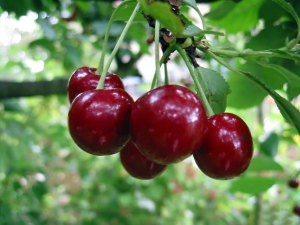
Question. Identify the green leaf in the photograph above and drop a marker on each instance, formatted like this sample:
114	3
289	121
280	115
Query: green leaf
293	81
42	42
252	185
288	111
241	86
220	9
124	11
20	9
168	19
270	18
190	31
270	37
47	28
72	57
191	3
269	146
242	17
262	163
39	189
215	88
290	9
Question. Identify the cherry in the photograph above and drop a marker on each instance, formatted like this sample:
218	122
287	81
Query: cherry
227	149
168	124
85	78
98	120
294	183
296	210
137	165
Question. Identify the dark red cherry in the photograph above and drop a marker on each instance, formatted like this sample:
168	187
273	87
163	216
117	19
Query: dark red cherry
85	78
227	149
98	120
294	183
296	210
168	124
137	165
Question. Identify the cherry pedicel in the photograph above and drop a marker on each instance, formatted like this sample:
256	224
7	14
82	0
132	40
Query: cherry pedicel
227	150
98	120
168	124
85	78
137	165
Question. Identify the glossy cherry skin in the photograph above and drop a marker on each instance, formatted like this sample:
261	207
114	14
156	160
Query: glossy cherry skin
168	124
85	78
98	120
294	183
227	150
138	165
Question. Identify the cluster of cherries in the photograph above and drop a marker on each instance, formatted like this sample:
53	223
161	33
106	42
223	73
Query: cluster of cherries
165	125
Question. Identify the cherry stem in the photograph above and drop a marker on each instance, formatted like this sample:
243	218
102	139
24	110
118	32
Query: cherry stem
201	77
199	89
157	64
166	74
163	59
117	46
105	41
249	54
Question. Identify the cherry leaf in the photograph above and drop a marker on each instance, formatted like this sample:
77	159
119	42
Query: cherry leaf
249	185
263	163
215	88
269	145
238	17
168	18
290	9
293	81
288	111
124	11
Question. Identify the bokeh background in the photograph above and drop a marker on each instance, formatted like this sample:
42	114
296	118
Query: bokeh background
46	179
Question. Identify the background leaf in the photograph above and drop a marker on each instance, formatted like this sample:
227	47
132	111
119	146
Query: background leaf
289	112
269	145
167	19
293	81
262	163
242	17
124	12
252	185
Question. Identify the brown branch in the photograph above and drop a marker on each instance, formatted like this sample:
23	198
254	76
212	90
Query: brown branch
9	89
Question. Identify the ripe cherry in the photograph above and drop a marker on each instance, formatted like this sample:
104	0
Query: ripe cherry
98	120
168	124
296	210
85	78
137	165
227	149
294	183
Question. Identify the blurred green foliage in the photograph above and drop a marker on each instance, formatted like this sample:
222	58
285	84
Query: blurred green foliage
46	179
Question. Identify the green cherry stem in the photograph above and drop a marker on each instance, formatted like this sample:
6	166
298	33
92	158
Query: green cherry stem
202	80
166	74
199	89
117	46
107	32
251	54
157	64
163	59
